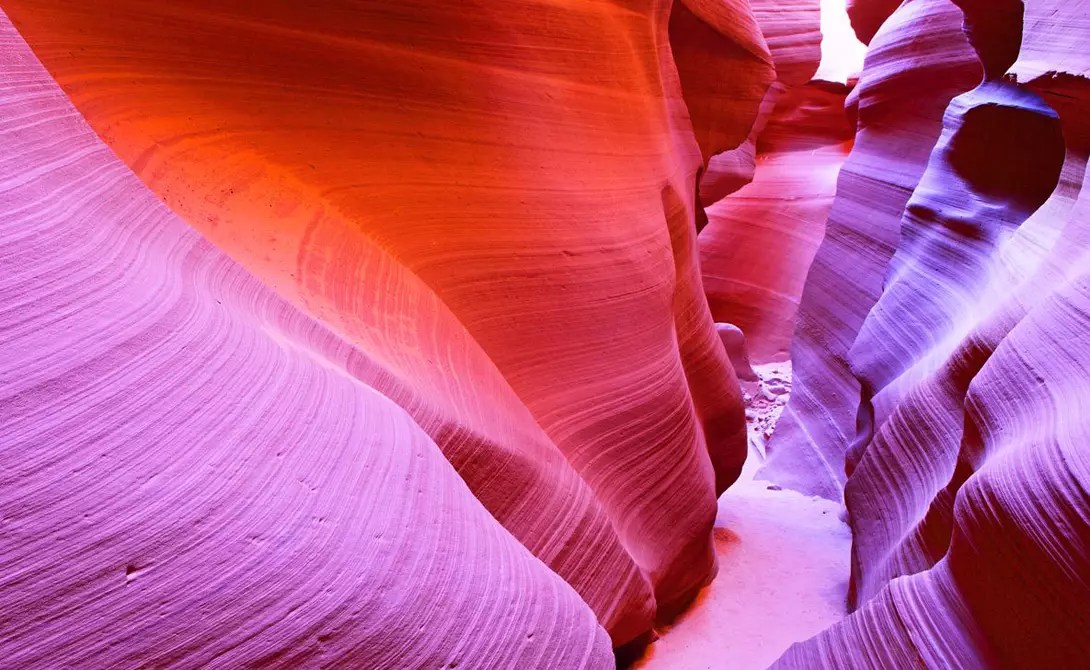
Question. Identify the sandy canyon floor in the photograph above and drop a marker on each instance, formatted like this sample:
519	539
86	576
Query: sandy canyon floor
783	563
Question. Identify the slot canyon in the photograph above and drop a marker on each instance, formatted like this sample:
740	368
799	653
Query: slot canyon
559	334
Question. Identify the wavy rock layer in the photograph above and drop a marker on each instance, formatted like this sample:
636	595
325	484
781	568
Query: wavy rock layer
780	183
191	471
759	242
916	64
793	34
492	210
724	67
969	475
434	382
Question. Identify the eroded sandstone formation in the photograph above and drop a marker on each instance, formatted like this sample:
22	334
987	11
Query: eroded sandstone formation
916	64
793	36
798	155
781	182
490	211
192	473
967	471
371	334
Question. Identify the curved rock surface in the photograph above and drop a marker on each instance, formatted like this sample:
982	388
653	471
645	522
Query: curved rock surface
767	201
192	470
734	342
366	334
917	63
493	208
759	241
868	16
793	35
975	193
969	474
724	67
792	31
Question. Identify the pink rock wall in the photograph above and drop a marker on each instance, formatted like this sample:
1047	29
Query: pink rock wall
437	189
916	64
760	240
967	493
767	200
714	43
193	474
793	35
367	334
868	16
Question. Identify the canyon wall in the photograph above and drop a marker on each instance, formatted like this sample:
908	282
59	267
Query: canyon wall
381	334
793	35
915	65
431	376
191	472
960	419
759	241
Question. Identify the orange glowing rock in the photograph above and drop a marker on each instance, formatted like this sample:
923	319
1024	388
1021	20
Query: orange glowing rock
494	206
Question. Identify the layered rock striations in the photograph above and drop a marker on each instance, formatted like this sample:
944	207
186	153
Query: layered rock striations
487	215
195	474
724	67
759	241
365	334
793	35
774	191
916	64
968	472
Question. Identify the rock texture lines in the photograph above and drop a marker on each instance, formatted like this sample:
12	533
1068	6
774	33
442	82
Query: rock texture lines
797	157
490	390
192	473
960	422
918	62
381	334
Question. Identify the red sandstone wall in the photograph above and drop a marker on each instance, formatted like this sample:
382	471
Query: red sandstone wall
488	208
433	382
193	472
760	240
767	200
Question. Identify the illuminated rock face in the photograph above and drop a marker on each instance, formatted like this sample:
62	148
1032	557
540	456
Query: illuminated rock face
371	334
485	217
767	200
916	64
967	467
759	241
194	472
868	16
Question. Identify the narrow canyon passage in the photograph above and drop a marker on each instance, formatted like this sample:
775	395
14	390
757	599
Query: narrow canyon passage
545	334
783	565
784	557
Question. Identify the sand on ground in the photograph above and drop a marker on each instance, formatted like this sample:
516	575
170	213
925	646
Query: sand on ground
783	563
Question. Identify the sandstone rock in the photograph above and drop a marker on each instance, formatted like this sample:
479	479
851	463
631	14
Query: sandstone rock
799	153
734	341
967	494
439	186
192	474
917	63
793	35
419	363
